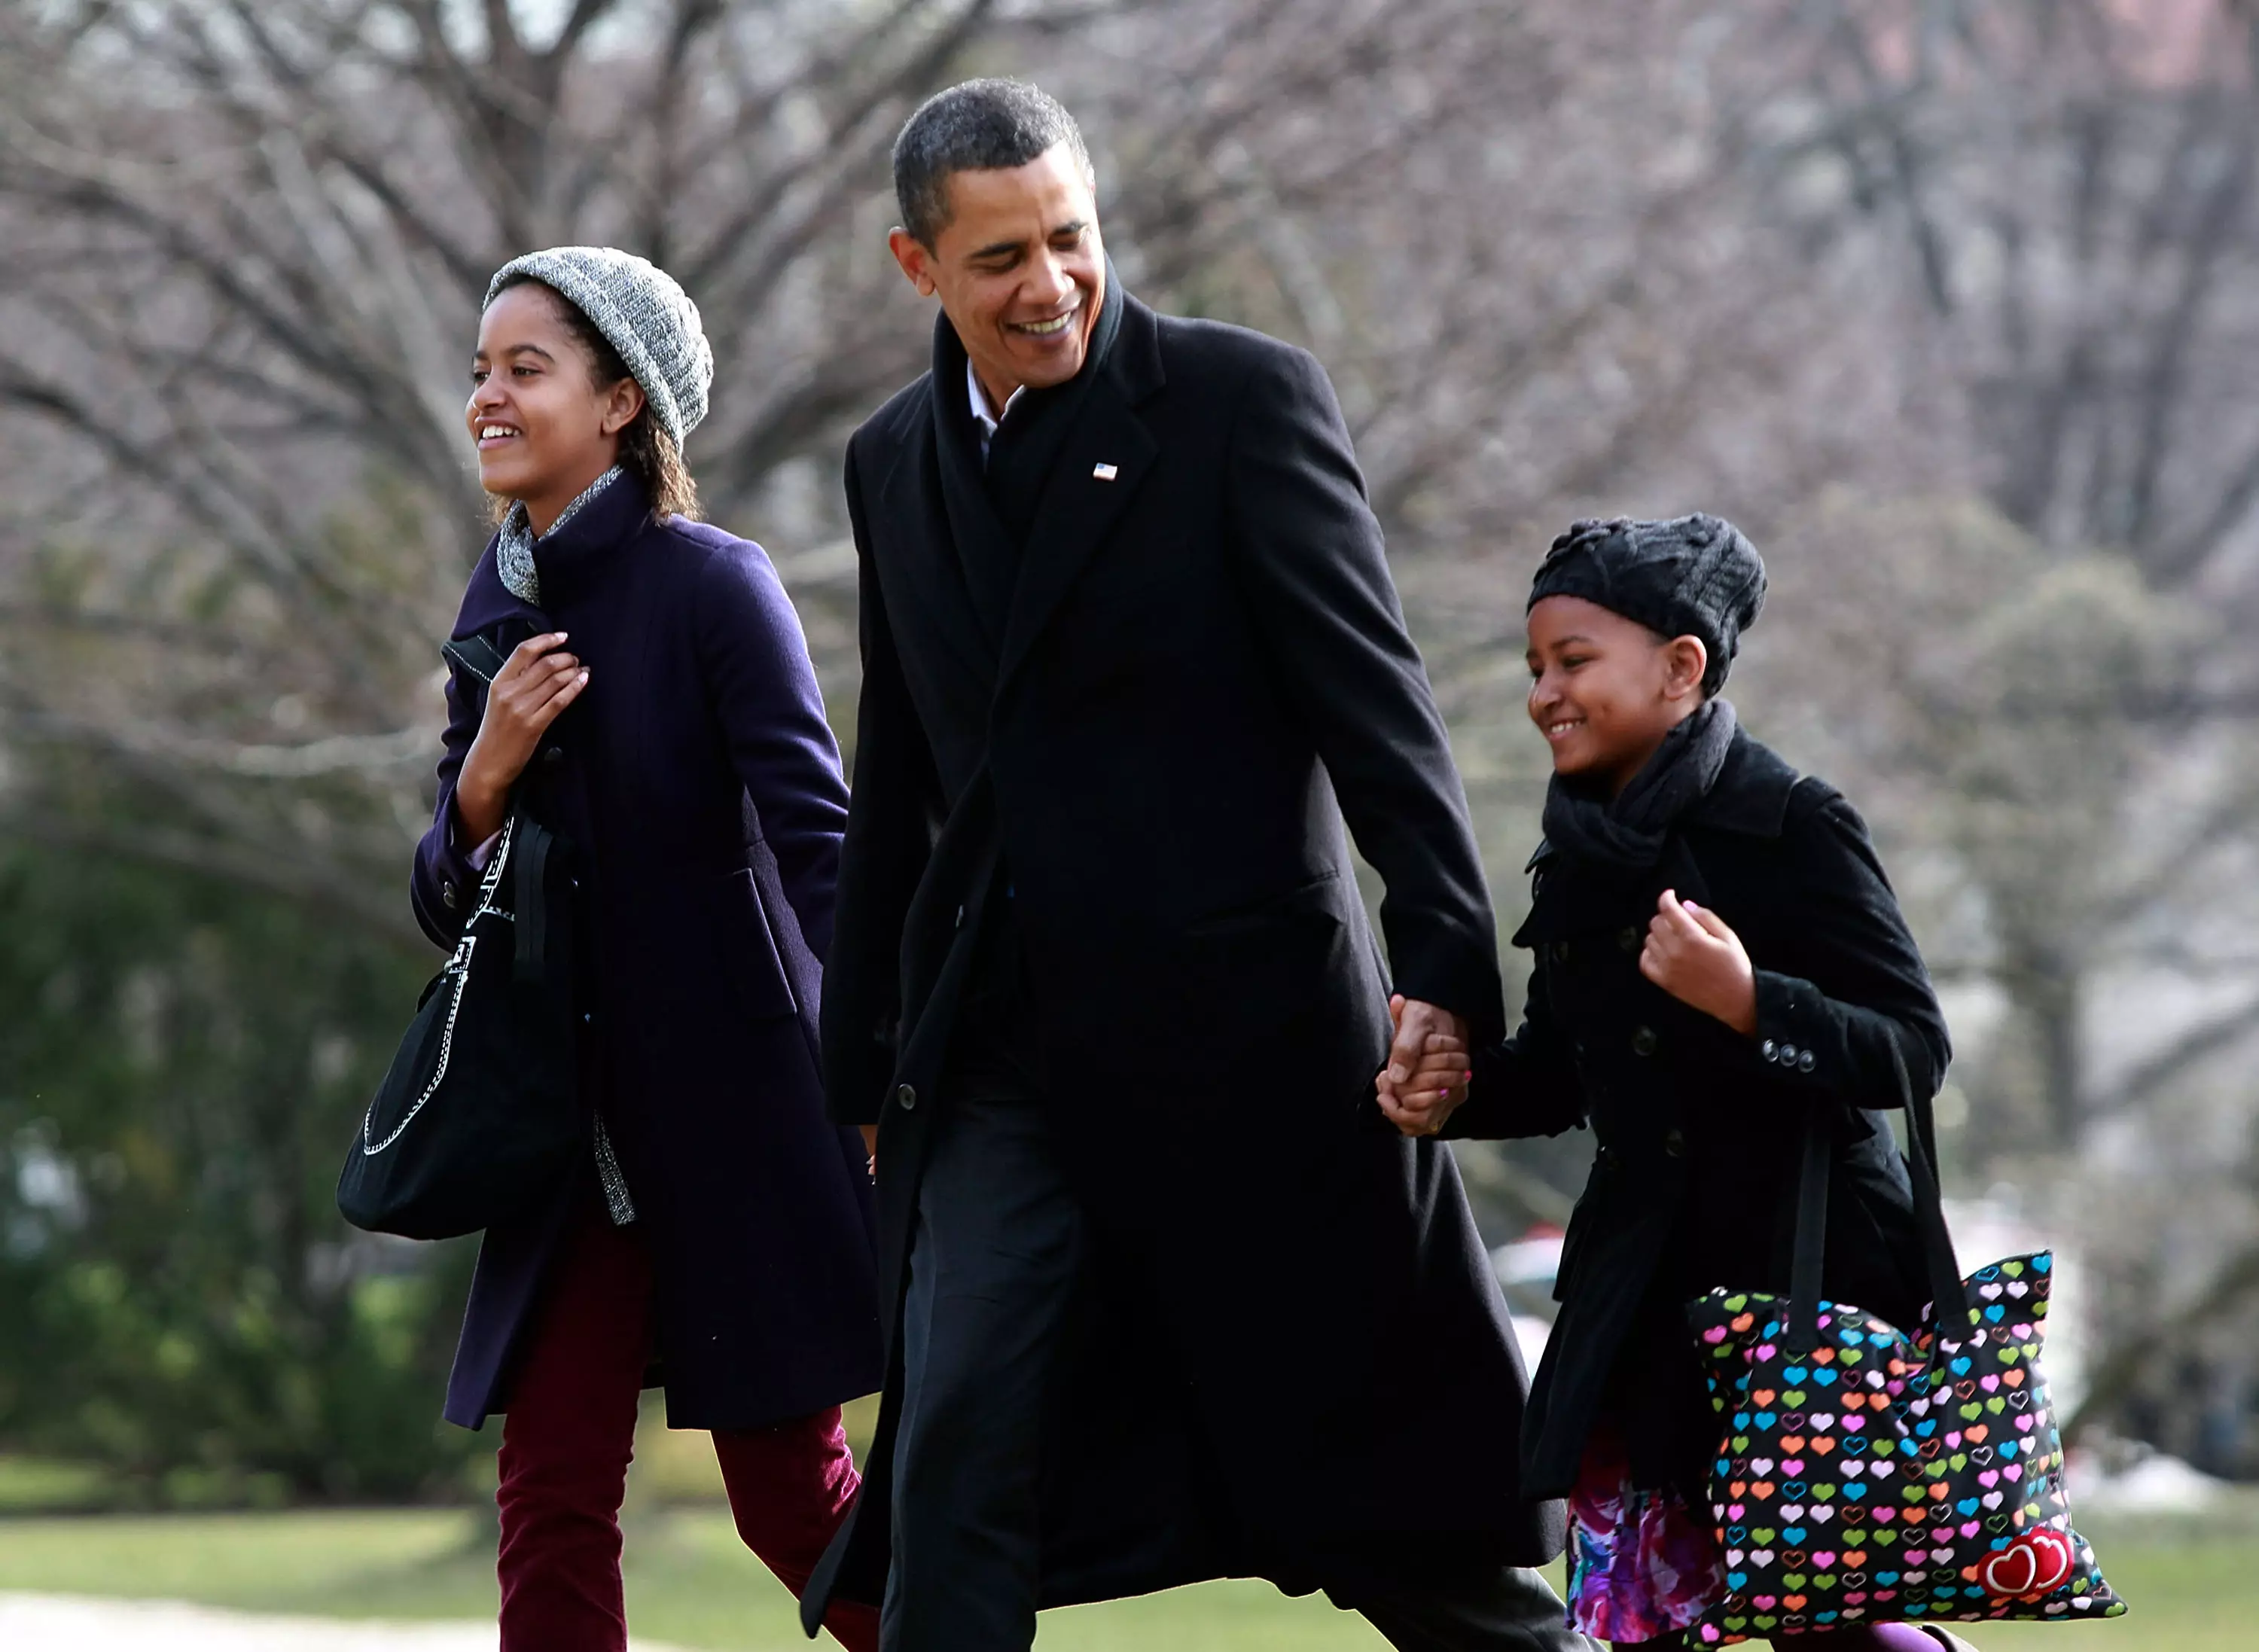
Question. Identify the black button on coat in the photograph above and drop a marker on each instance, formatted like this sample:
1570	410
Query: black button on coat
1295	1319
1699	1129
701	792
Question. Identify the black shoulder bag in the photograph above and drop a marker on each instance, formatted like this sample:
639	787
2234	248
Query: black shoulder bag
479	1117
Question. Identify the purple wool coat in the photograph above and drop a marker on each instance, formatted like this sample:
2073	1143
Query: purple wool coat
700	787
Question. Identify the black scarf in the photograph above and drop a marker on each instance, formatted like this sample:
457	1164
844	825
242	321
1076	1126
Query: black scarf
1627	834
992	507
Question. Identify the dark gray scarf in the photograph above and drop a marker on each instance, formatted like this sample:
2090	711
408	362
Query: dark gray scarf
1627	834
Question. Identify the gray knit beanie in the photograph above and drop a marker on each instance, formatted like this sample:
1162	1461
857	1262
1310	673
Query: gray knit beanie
644	315
1691	576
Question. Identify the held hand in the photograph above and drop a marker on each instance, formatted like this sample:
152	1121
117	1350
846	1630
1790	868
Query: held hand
871	1148
527	695
1428	1071
1692	956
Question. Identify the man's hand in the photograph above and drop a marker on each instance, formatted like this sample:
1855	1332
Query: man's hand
871	1148
1428	1071
1692	956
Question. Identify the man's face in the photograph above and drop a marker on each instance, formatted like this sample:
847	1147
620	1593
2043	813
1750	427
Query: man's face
1019	270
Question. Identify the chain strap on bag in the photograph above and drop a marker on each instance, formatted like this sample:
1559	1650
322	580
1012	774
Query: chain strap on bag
479	1118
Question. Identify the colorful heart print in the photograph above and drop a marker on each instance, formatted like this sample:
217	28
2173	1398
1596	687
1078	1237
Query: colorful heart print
1981	1526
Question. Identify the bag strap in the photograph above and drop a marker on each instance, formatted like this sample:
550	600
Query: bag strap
529	906
530	900
1804	1278
476	655
1948	1296
490	881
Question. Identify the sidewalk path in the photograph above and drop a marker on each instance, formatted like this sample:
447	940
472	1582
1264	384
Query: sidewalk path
68	1623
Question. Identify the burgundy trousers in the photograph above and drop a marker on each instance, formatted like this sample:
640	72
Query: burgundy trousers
570	1432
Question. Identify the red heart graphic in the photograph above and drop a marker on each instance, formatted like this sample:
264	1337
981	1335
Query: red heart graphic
2034	1563
2055	1558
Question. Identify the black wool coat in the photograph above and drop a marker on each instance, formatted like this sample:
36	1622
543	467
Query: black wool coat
1701	1128
1297	1324
699	787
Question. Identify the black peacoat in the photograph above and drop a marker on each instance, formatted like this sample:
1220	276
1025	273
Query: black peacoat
1205	656
1701	1128
699	787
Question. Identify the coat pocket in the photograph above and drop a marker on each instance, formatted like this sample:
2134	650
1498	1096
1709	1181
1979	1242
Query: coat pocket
751	967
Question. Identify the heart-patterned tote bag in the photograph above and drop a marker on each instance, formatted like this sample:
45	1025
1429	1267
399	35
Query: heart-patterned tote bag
1867	1473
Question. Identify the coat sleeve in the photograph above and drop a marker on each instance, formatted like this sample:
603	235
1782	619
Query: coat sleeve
1315	573
1526	1084
1850	981
888	840
442	879
771	710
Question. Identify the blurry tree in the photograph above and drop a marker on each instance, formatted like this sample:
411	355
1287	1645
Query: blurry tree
2073	182
1612	255
179	1305
241	248
2067	188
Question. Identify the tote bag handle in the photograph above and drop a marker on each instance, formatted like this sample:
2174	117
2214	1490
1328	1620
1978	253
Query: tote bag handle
1948	1298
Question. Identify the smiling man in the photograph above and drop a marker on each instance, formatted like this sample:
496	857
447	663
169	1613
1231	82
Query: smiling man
1168	1297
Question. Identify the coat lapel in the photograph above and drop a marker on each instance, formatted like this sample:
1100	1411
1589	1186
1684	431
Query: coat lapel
915	542
488	604
1102	464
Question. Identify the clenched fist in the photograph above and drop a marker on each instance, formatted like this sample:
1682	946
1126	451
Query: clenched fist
1692	956
528	694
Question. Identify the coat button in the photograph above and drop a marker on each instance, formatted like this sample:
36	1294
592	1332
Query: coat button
1769	1050
1560	951
552	757
1804	1062
1643	1042
447	896
907	1095
1627	938
1674	1142
1788	1054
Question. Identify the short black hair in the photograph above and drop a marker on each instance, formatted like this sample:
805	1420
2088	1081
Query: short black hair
984	125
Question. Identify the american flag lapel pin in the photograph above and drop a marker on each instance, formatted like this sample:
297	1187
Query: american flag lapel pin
1106	472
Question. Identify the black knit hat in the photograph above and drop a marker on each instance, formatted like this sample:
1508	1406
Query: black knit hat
1695	576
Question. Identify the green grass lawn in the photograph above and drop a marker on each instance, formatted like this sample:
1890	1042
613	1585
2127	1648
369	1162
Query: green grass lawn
2192	1584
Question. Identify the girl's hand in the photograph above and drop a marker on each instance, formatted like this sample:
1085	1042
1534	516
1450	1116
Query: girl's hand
525	697
1692	956
1432	1089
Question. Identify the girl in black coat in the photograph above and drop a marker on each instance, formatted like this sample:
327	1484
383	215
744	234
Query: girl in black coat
1718	954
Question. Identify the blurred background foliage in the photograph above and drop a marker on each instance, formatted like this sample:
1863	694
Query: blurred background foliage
1953	303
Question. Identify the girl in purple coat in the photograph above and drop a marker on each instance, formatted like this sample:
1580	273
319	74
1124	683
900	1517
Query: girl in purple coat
659	705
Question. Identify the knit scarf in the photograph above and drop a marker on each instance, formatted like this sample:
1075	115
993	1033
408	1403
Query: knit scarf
1627	834
514	548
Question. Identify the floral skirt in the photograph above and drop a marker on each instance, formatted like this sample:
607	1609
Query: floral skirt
1643	1565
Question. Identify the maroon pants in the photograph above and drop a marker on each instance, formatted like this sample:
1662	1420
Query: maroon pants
568	1436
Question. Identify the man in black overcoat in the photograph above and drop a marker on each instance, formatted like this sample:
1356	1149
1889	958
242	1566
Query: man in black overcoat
1168	1298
